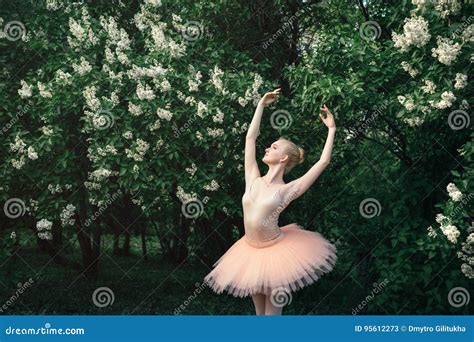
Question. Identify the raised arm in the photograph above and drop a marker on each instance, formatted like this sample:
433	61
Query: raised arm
251	166
299	186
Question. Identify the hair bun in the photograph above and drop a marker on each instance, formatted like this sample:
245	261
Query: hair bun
301	155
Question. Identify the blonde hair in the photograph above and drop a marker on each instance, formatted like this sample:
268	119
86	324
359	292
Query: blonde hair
295	155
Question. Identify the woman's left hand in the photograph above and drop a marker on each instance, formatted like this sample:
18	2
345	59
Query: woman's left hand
329	121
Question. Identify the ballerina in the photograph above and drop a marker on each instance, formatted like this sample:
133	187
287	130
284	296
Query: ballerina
270	262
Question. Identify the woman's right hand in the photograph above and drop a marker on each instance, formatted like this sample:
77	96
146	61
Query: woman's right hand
270	97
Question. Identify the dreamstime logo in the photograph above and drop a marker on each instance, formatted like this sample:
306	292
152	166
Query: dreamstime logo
458	296
370	207
192	208
16	295
184	128
458	119
281	119
377	288
14	208
281	296
103	207
280	31
192	31
362	127
199	288
102	297
274	215
14	30
103	119
466	22
21	111
370	30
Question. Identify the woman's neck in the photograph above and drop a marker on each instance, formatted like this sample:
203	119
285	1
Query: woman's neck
274	175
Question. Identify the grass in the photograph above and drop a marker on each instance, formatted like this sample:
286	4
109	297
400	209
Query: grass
151	287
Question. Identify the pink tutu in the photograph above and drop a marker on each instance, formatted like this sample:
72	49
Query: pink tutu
295	259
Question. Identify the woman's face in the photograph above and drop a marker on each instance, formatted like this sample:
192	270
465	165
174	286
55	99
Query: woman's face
275	152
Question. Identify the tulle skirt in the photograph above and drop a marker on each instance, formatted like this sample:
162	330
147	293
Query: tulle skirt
297	258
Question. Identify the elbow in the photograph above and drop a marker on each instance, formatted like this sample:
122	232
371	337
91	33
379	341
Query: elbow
325	162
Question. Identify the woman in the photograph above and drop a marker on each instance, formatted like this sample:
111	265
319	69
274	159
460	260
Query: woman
269	262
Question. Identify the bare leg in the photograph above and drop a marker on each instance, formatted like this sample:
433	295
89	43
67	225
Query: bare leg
259	302
270	309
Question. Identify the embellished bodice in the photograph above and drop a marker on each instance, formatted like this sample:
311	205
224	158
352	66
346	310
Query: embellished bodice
261	210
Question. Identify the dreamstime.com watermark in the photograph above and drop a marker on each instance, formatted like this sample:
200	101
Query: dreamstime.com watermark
198	290
274	215
102	208
21	288
46	330
378	287
21	111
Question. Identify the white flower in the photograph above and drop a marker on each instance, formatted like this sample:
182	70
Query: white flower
429	87
127	135
191	170
183	196
461	81
243	102
154	3
18	164
67	215
145	92
18	146
468	34
140	150
216	80
43	227
431	232
219	117
25	90
100	174
55	189
451	232
440	218
409	104
46	130
415	32
213	186
447	99
446	51
164	114
90	96
202	108
83	67
134	109
467	270
447	7
32	153
42	90
470	239
220	164
215	132
76	29
62	76
165	85
454	192
408	68
415	121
